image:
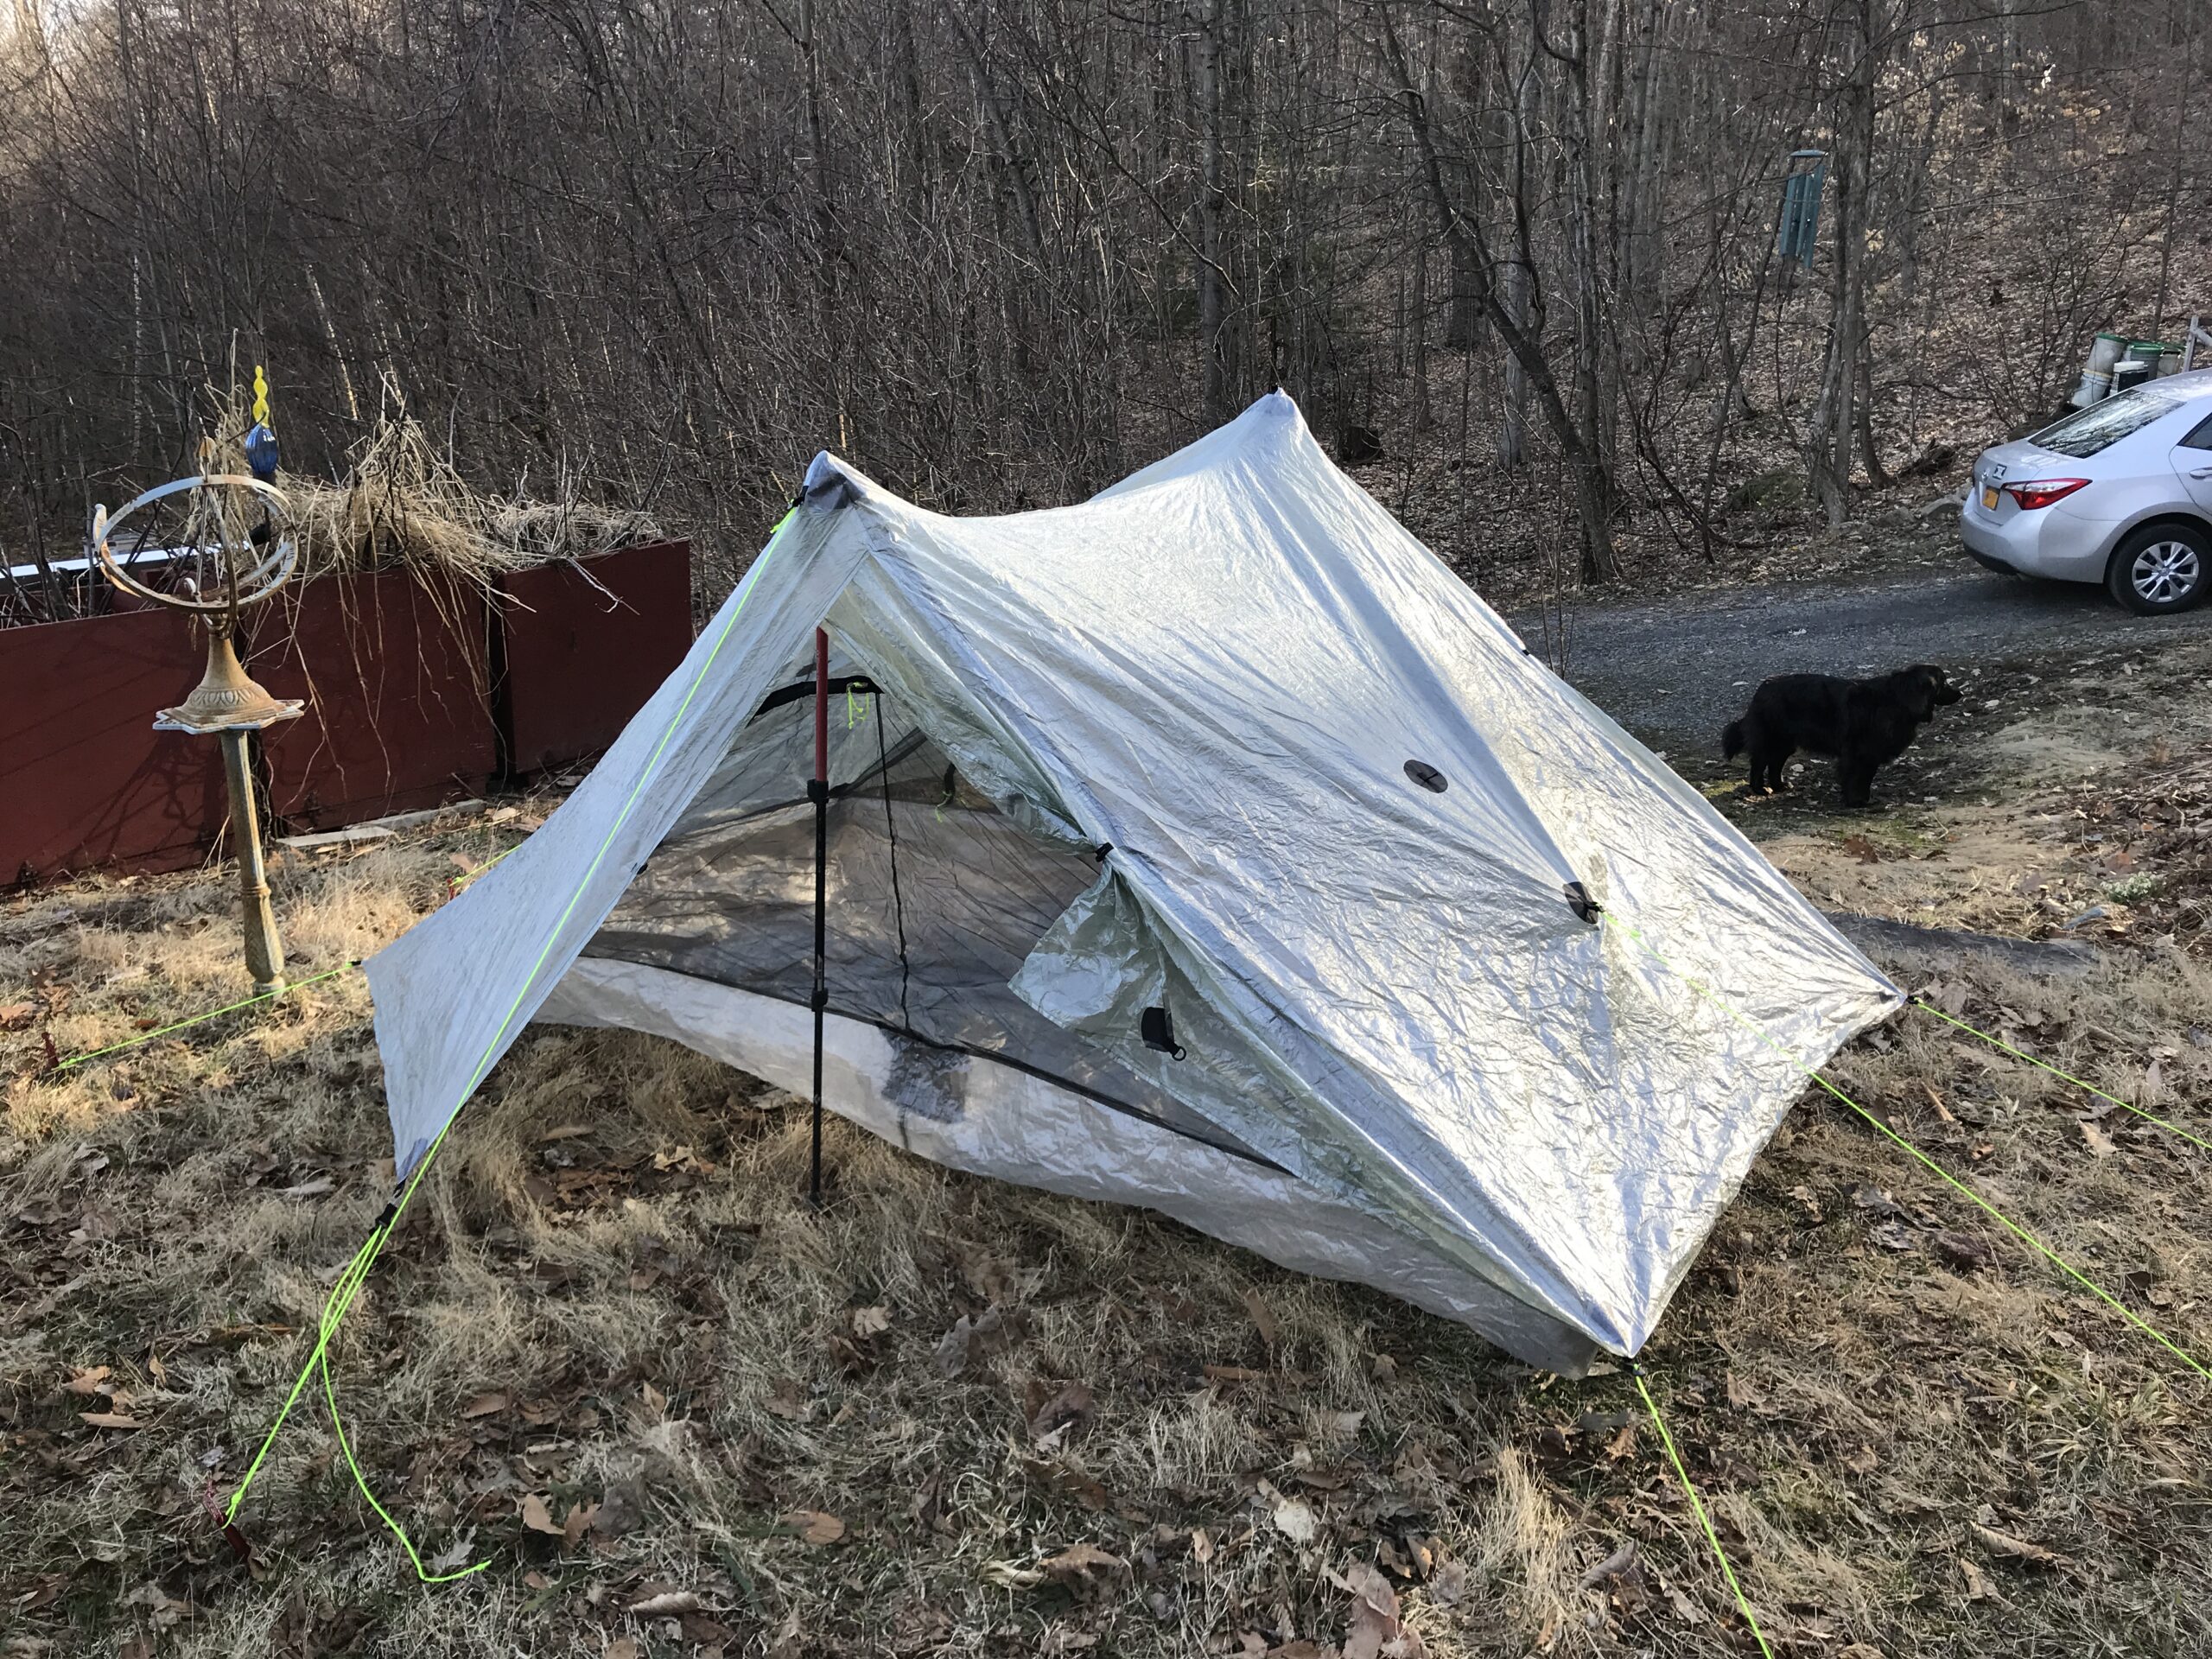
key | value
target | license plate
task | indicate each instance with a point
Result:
(1989, 498)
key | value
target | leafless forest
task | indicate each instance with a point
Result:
(1522, 253)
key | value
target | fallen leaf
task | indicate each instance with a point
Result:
(1373, 1631)
(1612, 1566)
(666, 1602)
(111, 1420)
(1961, 1251)
(486, 1405)
(16, 1015)
(1979, 1588)
(455, 1554)
(1862, 848)
(1232, 1374)
(1263, 1318)
(1056, 1414)
(871, 1321)
(1294, 1518)
(2100, 1143)
(815, 1526)
(537, 1517)
(578, 1522)
(311, 1189)
(1863, 1461)
(88, 1381)
(1085, 1566)
(621, 1648)
(2019, 1549)
(1201, 1546)
(788, 1401)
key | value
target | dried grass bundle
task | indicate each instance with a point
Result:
(403, 503)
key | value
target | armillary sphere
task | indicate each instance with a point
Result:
(237, 549)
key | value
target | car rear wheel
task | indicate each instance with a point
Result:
(2161, 568)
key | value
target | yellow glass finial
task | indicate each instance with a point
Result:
(260, 397)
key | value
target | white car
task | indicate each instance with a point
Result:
(2120, 493)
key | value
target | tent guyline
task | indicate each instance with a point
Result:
(2068, 1077)
(1959, 1186)
(337, 1305)
(144, 1038)
(1697, 1508)
(345, 967)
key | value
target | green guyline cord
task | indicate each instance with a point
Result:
(1945, 1175)
(336, 1307)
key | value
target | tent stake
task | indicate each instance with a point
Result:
(818, 793)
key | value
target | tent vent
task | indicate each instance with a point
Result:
(1159, 1032)
(1580, 901)
(1427, 776)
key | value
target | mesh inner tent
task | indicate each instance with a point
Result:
(935, 898)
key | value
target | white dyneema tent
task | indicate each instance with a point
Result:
(1208, 846)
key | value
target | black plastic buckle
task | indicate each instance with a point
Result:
(1580, 901)
(817, 790)
(1157, 1030)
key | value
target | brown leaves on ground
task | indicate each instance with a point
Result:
(1373, 1630)
(814, 1526)
(1055, 1411)
(2020, 1549)
(1085, 1568)
(536, 1511)
(970, 1341)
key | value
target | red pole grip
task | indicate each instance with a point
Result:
(822, 705)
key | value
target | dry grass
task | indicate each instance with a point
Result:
(616, 1295)
(403, 503)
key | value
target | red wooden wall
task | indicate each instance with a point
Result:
(408, 705)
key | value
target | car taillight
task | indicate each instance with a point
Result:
(2042, 492)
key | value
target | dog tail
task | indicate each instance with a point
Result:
(1731, 740)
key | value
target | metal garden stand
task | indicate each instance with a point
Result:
(236, 560)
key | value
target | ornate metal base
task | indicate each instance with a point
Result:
(227, 699)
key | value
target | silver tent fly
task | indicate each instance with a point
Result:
(1207, 846)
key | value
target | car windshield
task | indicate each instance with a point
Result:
(2087, 431)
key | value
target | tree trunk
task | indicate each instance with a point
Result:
(1827, 438)
(1212, 298)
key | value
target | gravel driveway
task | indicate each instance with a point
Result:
(1675, 671)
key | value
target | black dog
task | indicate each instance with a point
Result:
(1864, 724)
